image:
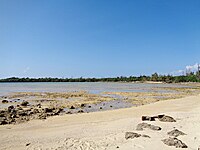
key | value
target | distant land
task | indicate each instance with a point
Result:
(189, 77)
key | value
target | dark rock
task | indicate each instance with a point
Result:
(174, 142)
(131, 135)
(80, 111)
(100, 107)
(3, 121)
(147, 118)
(2, 113)
(22, 113)
(4, 101)
(58, 111)
(39, 105)
(110, 105)
(146, 136)
(165, 118)
(28, 144)
(141, 127)
(35, 111)
(175, 133)
(42, 116)
(89, 106)
(69, 112)
(72, 107)
(10, 108)
(24, 103)
(82, 105)
(48, 110)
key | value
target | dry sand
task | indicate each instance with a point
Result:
(106, 130)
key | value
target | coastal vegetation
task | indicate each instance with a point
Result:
(189, 77)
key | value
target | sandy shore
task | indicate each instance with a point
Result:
(106, 130)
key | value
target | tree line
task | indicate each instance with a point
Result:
(190, 77)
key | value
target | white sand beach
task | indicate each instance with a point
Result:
(106, 130)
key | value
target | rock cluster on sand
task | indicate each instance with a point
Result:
(171, 141)
(22, 113)
(174, 142)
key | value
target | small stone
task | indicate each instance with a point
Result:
(100, 107)
(131, 135)
(48, 110)
(146, 136)
(28, 144)
(80, 111)
(10, 108)
(24, 103)
(69, 112)
(4, 101)
(89, 106)
(39, 105)
(42, 116)
(82, 105)
(72, 107)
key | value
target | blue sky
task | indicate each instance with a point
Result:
(97, 38)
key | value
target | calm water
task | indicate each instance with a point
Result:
(97, 87)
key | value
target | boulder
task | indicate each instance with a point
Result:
(175, 133)
(174, 142)
(165, 118)
(142, 126)
(147, 118)
(131, 135)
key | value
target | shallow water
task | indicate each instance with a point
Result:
(94, 87)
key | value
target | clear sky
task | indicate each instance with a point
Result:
(97, 38)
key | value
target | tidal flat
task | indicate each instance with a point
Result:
(28, 101)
